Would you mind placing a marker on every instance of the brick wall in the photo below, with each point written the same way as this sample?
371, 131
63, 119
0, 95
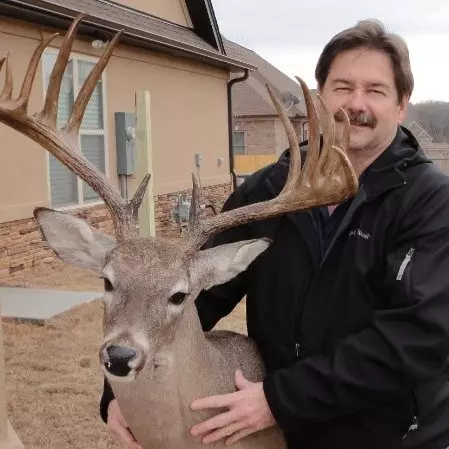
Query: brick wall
22, 247
266, 136
166, 223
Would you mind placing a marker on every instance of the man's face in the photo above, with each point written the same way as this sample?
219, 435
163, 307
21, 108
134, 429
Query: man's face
361, 81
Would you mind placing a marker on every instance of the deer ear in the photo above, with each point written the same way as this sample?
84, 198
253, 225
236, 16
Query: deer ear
73, 240
221, 264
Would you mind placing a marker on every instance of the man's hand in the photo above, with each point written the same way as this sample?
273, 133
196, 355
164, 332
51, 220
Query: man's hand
248, 413
118, 426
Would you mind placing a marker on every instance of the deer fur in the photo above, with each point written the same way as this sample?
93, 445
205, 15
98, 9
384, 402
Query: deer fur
177, 362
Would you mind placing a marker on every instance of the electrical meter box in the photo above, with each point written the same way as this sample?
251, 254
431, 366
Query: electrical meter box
125, 137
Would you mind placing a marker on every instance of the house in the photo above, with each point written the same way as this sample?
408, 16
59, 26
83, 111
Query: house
438, 152
171, 48
258, 134
421, 135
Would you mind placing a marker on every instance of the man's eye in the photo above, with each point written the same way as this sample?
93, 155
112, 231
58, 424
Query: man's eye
178, 298
107, 285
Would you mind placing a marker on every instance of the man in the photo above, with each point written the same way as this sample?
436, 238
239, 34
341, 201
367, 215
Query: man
350, 304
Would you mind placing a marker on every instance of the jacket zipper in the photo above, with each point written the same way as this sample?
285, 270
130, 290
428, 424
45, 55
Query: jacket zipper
405, 262
415, 420
414, 425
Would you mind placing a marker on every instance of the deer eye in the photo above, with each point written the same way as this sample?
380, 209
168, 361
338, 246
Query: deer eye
107, 285
178, 298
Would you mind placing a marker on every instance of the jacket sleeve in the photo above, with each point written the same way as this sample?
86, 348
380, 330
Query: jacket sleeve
218, 301
106, 398
406, 343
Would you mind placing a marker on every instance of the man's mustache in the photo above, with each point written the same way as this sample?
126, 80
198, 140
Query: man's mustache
357, 118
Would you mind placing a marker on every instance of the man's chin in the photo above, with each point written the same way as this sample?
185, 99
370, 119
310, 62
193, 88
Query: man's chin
358, 144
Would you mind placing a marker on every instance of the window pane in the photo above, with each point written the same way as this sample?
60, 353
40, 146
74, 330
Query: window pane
66, 94
93, 148
238, 142
63, 184
239, 138
93, 117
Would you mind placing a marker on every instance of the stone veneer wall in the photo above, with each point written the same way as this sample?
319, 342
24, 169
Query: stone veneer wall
22, 247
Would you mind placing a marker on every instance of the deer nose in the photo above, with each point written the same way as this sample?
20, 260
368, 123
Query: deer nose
118, 359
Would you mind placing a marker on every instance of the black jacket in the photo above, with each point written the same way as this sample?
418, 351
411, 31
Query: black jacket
356, 339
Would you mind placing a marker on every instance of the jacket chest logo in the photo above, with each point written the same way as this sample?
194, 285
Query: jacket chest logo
359, 233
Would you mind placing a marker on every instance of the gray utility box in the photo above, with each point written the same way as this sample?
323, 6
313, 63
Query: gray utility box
125, 129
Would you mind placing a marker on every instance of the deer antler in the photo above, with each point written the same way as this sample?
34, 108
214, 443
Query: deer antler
63, 144
326, 178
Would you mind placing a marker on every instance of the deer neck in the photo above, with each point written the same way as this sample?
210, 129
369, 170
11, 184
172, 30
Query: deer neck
189, 347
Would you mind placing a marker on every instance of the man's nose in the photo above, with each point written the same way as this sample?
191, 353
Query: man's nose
116, 359
357, 101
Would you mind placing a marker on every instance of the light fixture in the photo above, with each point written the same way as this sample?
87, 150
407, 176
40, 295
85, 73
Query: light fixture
98, 43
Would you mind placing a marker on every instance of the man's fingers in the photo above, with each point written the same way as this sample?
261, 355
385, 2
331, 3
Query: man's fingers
239, 435
224, 432
125, 436
117, 424
216, 422
219, 401
240, 381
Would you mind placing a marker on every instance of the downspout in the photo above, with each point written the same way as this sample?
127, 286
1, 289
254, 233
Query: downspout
231, 125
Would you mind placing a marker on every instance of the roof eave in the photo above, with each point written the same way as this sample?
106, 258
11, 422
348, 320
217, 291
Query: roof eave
205, 23
61, 17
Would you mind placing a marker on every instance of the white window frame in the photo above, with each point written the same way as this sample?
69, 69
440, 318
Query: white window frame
305, 131
75, 56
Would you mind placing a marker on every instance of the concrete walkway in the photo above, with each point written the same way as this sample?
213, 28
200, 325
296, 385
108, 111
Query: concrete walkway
39, 305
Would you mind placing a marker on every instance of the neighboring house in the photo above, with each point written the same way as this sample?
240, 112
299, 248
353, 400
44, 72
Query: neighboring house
258, 131
173, 49
421, 135
437, 152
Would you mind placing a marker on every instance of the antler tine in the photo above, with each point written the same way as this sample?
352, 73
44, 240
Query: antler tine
86, 91
313, 146
295, 154
302, 190
8, 87
139, 194
24, 97
49, 113
194, 206
328, 124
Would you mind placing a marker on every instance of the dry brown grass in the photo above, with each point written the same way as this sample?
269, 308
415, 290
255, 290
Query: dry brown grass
54, 380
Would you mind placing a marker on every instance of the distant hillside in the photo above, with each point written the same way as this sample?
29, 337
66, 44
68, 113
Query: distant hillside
433, 116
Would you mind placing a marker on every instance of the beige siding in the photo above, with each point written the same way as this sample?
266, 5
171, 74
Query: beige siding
173, 10
189, 115
23, 168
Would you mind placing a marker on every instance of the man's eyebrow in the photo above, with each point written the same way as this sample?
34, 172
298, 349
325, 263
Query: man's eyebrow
382, 85
340, 80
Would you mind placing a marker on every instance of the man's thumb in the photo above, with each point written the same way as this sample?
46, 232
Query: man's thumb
240, 381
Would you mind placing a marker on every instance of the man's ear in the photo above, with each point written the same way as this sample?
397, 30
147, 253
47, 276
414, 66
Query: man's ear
220, 264
403, 109
73, 240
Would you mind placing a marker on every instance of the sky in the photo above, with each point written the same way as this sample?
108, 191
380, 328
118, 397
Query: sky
291, 34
